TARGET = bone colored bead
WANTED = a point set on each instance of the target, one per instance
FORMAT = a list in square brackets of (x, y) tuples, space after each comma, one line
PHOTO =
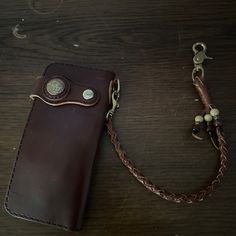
[(198, 119), (214, 112), (208, 118)]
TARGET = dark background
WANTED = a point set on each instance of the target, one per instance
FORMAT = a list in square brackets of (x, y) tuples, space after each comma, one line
[(148, 44)]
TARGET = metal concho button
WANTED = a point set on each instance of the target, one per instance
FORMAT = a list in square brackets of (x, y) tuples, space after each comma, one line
[(88, 94), (55, 87)]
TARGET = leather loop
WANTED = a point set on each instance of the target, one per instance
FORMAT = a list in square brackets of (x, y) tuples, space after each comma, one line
[(202, 90)]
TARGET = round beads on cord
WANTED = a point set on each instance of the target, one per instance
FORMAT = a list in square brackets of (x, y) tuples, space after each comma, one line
[(215, 113), (208, 118), (197, 128), (211, 119), (198, 119)]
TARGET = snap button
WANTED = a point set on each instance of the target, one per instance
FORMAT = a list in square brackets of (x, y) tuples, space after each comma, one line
[(55, 86), (88, 94)]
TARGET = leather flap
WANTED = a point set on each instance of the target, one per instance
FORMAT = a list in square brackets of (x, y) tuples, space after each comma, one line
[(59, 90)]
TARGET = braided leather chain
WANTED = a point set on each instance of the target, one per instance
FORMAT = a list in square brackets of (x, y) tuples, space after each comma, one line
[(170, 196), (214, 128)]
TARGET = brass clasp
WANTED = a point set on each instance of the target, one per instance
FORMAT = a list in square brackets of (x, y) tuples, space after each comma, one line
[(199, 50), (114, 98)]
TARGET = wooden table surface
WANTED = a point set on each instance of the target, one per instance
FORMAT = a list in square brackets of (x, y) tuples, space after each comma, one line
[(148, 44)]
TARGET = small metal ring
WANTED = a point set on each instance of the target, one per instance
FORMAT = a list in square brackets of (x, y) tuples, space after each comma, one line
[(195, 45), (197, 69)]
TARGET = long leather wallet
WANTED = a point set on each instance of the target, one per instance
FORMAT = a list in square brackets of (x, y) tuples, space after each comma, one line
[(51, 176)]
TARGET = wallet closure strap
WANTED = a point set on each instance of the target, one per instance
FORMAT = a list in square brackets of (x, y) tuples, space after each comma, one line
[(59, 90)]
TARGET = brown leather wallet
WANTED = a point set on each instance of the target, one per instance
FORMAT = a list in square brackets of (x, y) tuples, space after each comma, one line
[(51, 176)]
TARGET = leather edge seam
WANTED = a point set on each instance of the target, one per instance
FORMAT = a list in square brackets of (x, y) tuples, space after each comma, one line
[(11, 180)]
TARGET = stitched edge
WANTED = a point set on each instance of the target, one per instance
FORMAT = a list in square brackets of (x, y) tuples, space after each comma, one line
[(19, 149), (11, 180)]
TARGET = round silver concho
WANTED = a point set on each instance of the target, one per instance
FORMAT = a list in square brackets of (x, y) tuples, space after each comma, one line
[(88, 94), (55, 86)]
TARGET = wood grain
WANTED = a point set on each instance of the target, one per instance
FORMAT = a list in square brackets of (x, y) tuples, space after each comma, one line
[(148, 44)]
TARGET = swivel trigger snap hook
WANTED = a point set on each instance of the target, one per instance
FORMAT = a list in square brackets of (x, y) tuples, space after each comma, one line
[(114, 98), (200, 55), (199, 50)]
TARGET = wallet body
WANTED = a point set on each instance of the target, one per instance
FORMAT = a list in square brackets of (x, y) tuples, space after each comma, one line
[(51, 176)]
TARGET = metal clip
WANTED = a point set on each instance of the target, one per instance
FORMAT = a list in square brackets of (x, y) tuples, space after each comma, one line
[(115, 98), (198, 59)]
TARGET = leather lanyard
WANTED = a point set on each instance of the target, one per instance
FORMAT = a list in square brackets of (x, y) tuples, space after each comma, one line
[(209, 116)]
